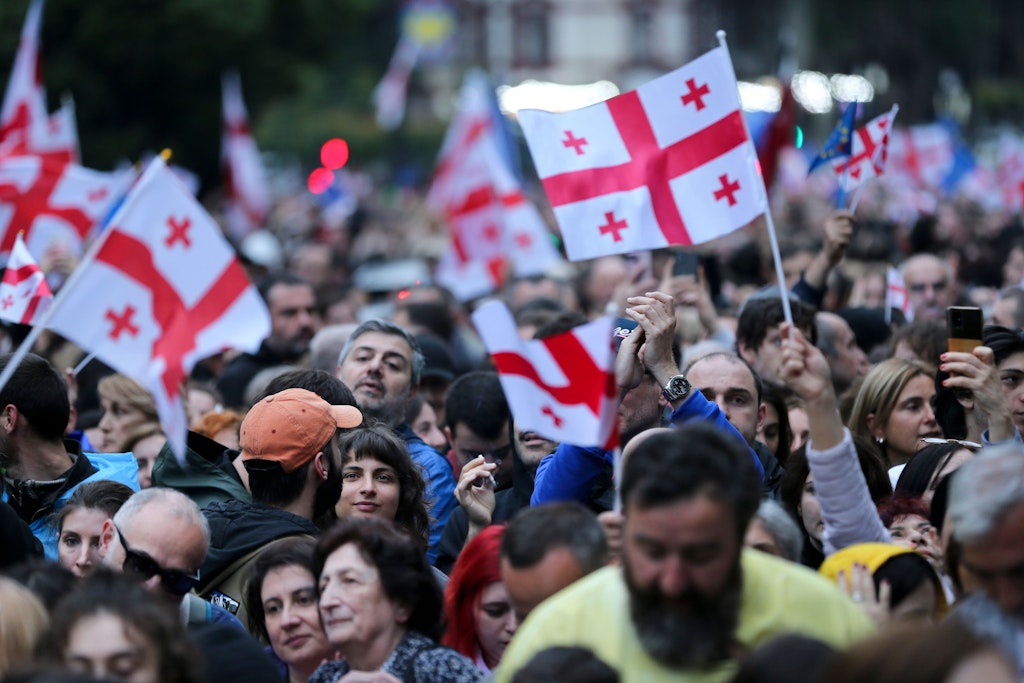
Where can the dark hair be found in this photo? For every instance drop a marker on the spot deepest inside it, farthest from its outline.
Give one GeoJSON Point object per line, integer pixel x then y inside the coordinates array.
{"type": "Point", "coordinates": [270, 485]}
{"type": "Point", "coordinates": [433, 316]}
{"type": "Point", "coordinates": [535, 531]}
{"type": "Point", "coordinates": [380, 443]}
{"type": "Point", "coordinates": [284, 552]}
{"type": "Point", "coordinates": [905, 574]}
{"type": "Point", "coordinates": [282, 277]}
{"type": "Point", "coordinates": [761, 313]}
{"type": "Point", "coordinates": [694, 459]}
{"type": "Point", "coordinates": [923, 466]}
{"type": "Point", "coordinates": [103, 494]}
{"type": "Point", "coordinates": [320, 382]}
{"type": "Point", "coordinates": [926, 338]}
{"type": "Point", "coordinates": [40, 394]}
{"type": "Point", "coordinates": [406, 577]}
{"type": "Point", "coordinates": [759, 384]}
{"type": "Point", "coordinates": [50, 581]}
{"type": "Point", "coordinates": [789, 658]}
{"type": "Point", "coordinates": [566, 665]}
{"type": "Point", "coordinates": [416, 360]}
{"type": "Point", "coordinates": [107, 592]}
{"type": "Point", "coordinates": [477, 401]}
{"type": "Point", "coordinates": [775, 396]}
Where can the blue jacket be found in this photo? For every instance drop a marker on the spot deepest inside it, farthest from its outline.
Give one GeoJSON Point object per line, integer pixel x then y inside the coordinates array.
{"type": "Point", "coordinates": [569, 472]}
{"type": "Point", "coordinates": [437, 472]}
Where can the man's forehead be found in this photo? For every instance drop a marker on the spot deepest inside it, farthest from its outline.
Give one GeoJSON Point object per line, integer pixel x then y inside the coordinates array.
{"type": "Point", "coordinates": [921, 269]}
{"type": "Point", "coordinates": [465, 434]}
{"type": "Point", "coordinates": [285, 294]}
{"type": "Point", "coordinates": [382, 342]}
{"type": "Point", "coordinates": [712, 371]}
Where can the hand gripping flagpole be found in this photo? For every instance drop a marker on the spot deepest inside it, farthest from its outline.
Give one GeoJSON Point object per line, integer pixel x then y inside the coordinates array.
{"type": "Point", "coordinates": [772, 238]}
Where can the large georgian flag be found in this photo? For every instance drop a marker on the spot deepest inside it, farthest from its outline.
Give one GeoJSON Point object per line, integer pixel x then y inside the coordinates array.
{"type": "Point", "coordinates": [163, 290]}
{"type": "Point", "coordinates": [561, 387]}
{"type": "Point", "coordinates": [24, 293]}
{"type": "Point", "coordinates": [668, 163]}
{"type": "Point", "coordinates": [245, 179]}
{"type": "Point", "coordinates": [925, 154]}
{"type": "Point", "coordinates": [869, 152]}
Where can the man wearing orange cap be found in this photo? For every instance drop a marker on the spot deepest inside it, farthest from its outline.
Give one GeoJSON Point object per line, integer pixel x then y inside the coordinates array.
{"type": "Point", "coordinates": [290, 452]}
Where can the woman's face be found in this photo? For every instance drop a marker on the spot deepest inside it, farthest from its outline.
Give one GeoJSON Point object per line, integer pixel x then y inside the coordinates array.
{"type": "Point", "coordinates": [103, 646]}
{"type": "Point", "coordinates": [918, 534]}
{"type": "Point", "coordinates": [957, 459]}
{"type": "Point", "coordinates": [291, 616]}
{"type": "Point", "coordinates": [911, 420]}
{"type": "Point", "coordinates": [800, 427]}
{"type": "Point", "coordinates": [769, 432]}
{"type": "Point", "coordinates": [369, 488]}
{"type": "Point", "coordinates": [355, 611]}
{"type": "Point", "coordinates": [118, 420]}
{"type": "Point", "coordinates": [145, 452]}
{"type": "Point", "coordinates": [79, 540]}
{"type": "Point", "coordinates": [810, 511]}
{"type": "Point", "coordinates": [425, 426]}
{"type": "Point", "coordinates": [496, 623]}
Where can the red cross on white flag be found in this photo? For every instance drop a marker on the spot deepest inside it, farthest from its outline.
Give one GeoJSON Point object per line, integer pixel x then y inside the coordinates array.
{"type": "Point", "coordinates": [870, 151]}
{"type": "Point", "coordinates": [923, 153]}
{"type": "Point", "coordinates": [896, 295]}
{"type": "Point", "coordinates": [561, 387]}
{"type": "Point", "coordinates": [24, 294]}
{"type": "Point", "coordinates": [248, 194]}
{"type": "Point", "coordinates": [163, 291]}
{"type": "Point", "coordinates": [668, 163]}
{"type": "Point", "coordinates": [24, 103]}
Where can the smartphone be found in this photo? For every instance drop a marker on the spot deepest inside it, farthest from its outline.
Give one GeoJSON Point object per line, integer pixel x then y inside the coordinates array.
{"type": "Point", "coordinates": [686, 263]}
{"type": "Point", "coordinates": [965, 328]}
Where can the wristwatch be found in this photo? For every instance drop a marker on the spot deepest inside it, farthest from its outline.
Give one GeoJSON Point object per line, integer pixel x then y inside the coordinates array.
{"type": "Point", "coordinates": [676, 388]}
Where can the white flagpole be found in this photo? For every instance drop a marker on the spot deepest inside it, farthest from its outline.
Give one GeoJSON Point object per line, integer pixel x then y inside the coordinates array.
{"type": "Point", "coordinates": [617, 478]}
{"type": "Point", "coordinates": [874, 157]}
{"type": "Point", "coordinates": [772, 238]}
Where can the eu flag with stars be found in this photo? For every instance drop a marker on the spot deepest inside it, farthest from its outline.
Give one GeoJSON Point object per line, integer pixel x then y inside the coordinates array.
{"type": "Point", "coordinates": [840, 142]}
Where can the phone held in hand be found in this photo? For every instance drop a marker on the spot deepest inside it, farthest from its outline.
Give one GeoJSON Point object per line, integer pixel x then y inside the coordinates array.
{"type": "Point", "coordinates": [965, 325]}
{"type": "Point", "coordinates": [686, 263]}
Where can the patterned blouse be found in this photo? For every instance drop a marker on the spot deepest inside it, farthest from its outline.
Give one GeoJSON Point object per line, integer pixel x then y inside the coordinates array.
{"type": "Point", "coordinates": [417, 659]}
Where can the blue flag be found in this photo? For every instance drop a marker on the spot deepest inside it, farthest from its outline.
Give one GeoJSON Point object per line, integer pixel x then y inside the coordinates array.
{"type": "Point", "coordinates": [840, 143]}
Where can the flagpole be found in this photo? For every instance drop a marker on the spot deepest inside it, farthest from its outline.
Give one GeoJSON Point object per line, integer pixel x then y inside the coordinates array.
{"type": "Point", "coordinates": [772, 238]}
{"type": "Point", "coordinates": [617, 478]}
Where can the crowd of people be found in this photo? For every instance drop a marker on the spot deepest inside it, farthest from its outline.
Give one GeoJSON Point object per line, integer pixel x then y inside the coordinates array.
{"type": "Point", "coordinates": [831, 497]}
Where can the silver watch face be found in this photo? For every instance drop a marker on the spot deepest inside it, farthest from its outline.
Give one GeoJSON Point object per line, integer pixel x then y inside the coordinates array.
{"type": "Point", "coordinates": [678, 387]}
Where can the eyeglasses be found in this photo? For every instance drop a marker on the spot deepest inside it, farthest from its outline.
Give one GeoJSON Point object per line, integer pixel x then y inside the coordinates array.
{"type": "Point", "coordinates": [969, 445]}
{"type": "Point", "coordinates": [143, 567]}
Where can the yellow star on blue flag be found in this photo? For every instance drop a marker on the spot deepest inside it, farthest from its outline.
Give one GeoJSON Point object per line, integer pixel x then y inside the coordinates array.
{"type": "Point", "coordinates": [840, 142]}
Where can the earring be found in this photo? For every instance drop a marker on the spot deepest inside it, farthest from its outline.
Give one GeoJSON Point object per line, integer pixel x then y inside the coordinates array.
{"type": "Point", "coordinates": [880, 440]}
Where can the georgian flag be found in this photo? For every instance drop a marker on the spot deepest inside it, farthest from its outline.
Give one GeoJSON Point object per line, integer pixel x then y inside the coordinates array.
{"type": "Point", "coordinates": [24, 105]}
{"type": "Point", "coordinates": [925, 154]}
{"type": "Point", "coordinates": [668, 163]}
{"type": "Point", "coordinates": [561, 387]}
{"type": "Point", "coordinates": [247, 200]}
{"type": "Point", "coordinates": [869, 151]}
{"type": "Point", "coordinates": [897, 296]}
{"type": "Point", "coordinates": [24, 294]}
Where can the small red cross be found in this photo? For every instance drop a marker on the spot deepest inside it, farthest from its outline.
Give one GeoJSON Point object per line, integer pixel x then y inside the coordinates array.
{"type": "Point", "coordinates": [613, 226]}
{"type": "Point", "coordinates": [491, 232]}
{"type": "Point", "coordinates": [695, 94]}
{"type": "Point", "coordinates": [97, 194]}
{"type": "Point", "coordinates": [547, 410]}
{"type": "Point", "coordinates": [179, 231]}
{"type": "Point", "coordinates": [574, 142]}
{"type": "Point", "coordinates": [727, 190]}
{"type": "Point", "coordinates": [122, 323]}
{"type": "Point", "coordinates": [8, 302]}
{"type": "Point", "coordinates": [523, 240]}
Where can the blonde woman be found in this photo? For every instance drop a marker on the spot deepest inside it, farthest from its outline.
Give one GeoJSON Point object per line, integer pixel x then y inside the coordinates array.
{"type": "Point", "coordinates": [23, 621]}
{"type": "Point", "coordinates": [127, 407]}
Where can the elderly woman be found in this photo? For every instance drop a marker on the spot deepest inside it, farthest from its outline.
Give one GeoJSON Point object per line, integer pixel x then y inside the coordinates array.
{"type": "Point", "coordinates": [381, 607]}
{"type": "Point", "coordinates": [281, 599]}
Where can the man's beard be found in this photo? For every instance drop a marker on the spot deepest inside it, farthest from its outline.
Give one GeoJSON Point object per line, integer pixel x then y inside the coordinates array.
{"type": "Point", "coordinates": [696, 634]}
{"type": "Point", "coordinates": [388, 410]}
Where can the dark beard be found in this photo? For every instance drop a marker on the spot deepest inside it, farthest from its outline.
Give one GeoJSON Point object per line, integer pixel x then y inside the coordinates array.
{"type": "Point", "coordinates": [697, 635]}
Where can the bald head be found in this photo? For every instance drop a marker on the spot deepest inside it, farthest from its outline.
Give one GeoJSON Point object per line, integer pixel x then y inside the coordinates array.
{"type": "Point", "coordinates": [930, 285]}
{"type": "Point", "coordinates": [727, 380]}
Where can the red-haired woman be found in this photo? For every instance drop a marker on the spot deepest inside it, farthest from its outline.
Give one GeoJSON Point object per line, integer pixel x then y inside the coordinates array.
{"type": "Point", "coordinates": [481, 621]}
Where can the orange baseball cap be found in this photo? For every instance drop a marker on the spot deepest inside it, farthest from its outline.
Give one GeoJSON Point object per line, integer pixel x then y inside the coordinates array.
{"type": "Point", "coordinates": [291, 426]}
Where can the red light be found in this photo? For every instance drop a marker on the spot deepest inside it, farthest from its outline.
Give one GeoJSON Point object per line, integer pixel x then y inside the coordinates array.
{"type": "Point", "coordinates": [320, 180]}
{"type": "Point", "coordinates": [334, 153]}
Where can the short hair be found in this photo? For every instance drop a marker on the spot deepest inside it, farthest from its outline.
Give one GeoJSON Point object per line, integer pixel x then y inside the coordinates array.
{"type": "Point", "coordinates": [123, 389]}
{"type": "Point", "coordinates": [533, 532]}
{"type": "Point", "coordinates": [23, 623]}
{"type": "Point", "coordinates": [985, 490]}
{"type": "Point", "coordinates": [381, 443]}
{"type": "Point", "coordinates": [1017, 294]}
{"type": "Point", "coordinates": [270, 485]}
{"type": "Point", "coordinates": [477, 567]}
{"type": "Point", "coordinates": [214, 422]}
{"type": "Point", "coordinates": [761, 313]}
{"type": "Point", "coordinates": [406, 577]}
{"type": "Point", "coordinates": [172, 503]}
{"type": "Point", "coordinates": [694, 459]}
{"type": "Point", "coordinates": [281, 277]}
{"type": "Point", "coordinates": [104, 495]}
{"type": "Point", "coordinates": [900, 505]}
{"type": "Point", "coordinates": [107, 592]}
{"type": "Point", "coordinates": [477, 400]}
{"type": "Point", "coordinates": [738, 360]}
{"type": "Point", "coordinates": [789, 657]}
{"type": "Point", "coordinates": [39, 393]}
{"type": "Point", "coordinates": [926, 338]}
{"type": "Point", "coordinates": [782, 527]}
{"type": "Point", "coordinates": [880, 391]}
{"type": "Point", "coordinates": [1003, 341]}
{"type": "Point", "coordinates": [48, 581]}
{"type": "Point", "coordinates": [386, 327]}
{"type": "Point", "coordinates": [826, 328]}
{"type": "Point", "coordinates": [433, 316]}
{"type": "Point", "coordinates": [293, 551]}
{"type": "Point", "coordinates": [566, 664]}
{"type": "Point", "coordinates": [320, 382]}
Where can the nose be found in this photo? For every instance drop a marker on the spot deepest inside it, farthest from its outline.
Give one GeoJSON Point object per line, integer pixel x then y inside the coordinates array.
{"type": "Point", "coordinates": [83, 561]}
{"type": "Point", "coordinates": [672, 580]}
{"type": "Point", "coordinates": [723, 405]}
{"type": "Point", "coordinates": [929, 415]}
{"type": "Point", "coordinates": [367, 486]}
{"type": "Point", "coordinates": [289, 616]}
{"type": "Point", "coordinates": [511, 622]}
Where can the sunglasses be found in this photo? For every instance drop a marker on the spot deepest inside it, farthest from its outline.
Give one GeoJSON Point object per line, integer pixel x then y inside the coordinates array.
{"type": "Point", "coordinates": [969, 445]}
{"type": "Point", "coordinates": [143, 567]}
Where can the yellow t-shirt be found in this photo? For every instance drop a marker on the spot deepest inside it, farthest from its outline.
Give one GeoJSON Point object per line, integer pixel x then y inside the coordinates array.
{"type": "Point", "coordinates": [778, 597]}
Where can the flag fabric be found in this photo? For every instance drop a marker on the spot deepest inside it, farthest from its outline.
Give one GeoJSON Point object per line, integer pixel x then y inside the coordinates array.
{"type": "Point", "coordinates": [389, 95]}
{"type": "Point", "coordinates": [247, 194]}
{"type": "Point", "coordinates": [24, 105]}
{"type": "Point", "coordinates": [494, 228]}
{"type": "Point", "coordinates": [56, 140]}
{"type": "Point", "coordinates": [924, 154]}
{"type": "Point", "coordinates": [777, 134]}
{"type": "Point", "coordinates": [667, 163]}
{"type": "Point", "coordinates": [897, 296]}
{"type": "Point", "coordinates": [163, 290]}
{"type": "Point", "coordinates": [24, 294]}
{"type": "Point", "coordinates": [840, 142]}
{"type": "Point", "coordinates": [561, 387]}
{"type": "Point", "coordinates": [51, 201]}
{"type": "Point", "coordinates": [868, 152]}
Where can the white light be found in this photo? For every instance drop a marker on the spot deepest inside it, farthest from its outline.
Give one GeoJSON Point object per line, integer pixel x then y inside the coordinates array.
{"type": "Point", "coordinates": [847, 88]}
{"type": "Point", "coordinates": [553, 96]}
{"type": "Point", "coordinates": [759, 97]}
{"type": "Point", "coordinates": [811, 89]}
